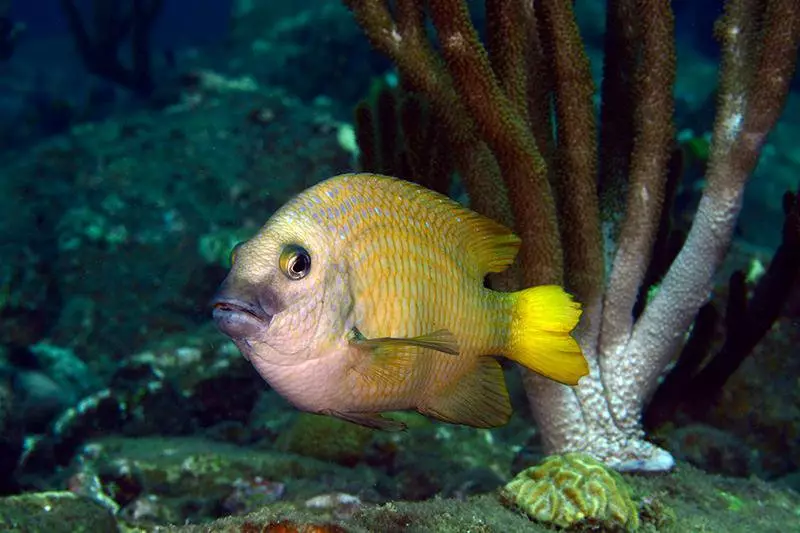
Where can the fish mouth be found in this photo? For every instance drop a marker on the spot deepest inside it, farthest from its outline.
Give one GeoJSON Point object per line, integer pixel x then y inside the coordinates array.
{"type": "Point", "coordinates": [239, 319]}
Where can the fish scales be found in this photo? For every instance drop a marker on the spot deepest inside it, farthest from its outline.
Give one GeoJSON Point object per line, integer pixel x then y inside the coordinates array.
{"type": "Point", "coordinates": [422, 277]}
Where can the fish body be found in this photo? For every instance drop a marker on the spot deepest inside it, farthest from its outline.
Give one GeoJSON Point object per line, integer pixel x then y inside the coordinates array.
{"type": "Point", "coordinates": [364, 294]}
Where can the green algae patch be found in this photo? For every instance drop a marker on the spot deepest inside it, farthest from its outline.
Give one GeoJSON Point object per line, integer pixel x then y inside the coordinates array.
{"type": "Point", "coordinates": [54, 512]}
{"type": "Point", "coordinates": [327, 439]}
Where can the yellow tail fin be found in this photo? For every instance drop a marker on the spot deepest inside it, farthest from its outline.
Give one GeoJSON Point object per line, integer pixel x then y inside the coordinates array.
{"type": "Point", "coordinates": [542, 319]}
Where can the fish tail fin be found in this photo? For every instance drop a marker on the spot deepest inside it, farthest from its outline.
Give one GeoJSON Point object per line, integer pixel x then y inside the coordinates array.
{"type": "Point", "coordinates": [542, 319]}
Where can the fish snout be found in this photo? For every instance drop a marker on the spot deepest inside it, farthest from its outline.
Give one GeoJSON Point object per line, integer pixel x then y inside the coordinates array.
{"type": "Point", "coordinates": [239, 317]}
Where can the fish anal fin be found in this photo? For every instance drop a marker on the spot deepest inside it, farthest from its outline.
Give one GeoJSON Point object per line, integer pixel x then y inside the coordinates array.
{"type": "Point", "coordinates": [370, 420]}
{"type": "Point", "coordinates": [479, 399]}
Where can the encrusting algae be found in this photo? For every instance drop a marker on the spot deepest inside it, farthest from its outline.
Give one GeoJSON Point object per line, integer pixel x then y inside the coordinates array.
{"type": "Point", "coordinates": [365, 294]}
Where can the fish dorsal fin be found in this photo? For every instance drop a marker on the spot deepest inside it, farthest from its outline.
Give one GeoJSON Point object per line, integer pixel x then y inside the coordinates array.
{"type": "Point", "coordinates": [492, 245]}
{"type": "Point", "coordinates": [489, 245]}
{"type": "Point", "coordinates": [479, 399]}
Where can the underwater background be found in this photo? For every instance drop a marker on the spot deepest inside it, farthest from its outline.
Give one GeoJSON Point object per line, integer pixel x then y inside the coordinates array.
{"type": "Point", "coordinates": [139, 146]}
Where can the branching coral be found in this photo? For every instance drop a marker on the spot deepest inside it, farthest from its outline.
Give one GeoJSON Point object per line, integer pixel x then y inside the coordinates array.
{"type": "Point", "coordinates": [520, 122]}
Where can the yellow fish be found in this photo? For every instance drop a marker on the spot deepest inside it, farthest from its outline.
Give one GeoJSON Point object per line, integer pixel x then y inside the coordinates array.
{"type": "Point", "coordinates": [364, 294]}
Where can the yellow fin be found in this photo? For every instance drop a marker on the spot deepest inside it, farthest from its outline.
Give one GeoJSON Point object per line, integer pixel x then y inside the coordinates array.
{"type": "Point", "coordinates": [441, 341]}
{"type": "Point", "coordinates": [479, 399]}
{"type": "Point", "coordinates": [542, 320]}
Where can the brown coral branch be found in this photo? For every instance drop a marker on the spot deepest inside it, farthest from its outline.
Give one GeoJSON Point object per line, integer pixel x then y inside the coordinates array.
{"type": "Point", "coordinates": [428, 151]}
{"type": "Point", "coordinates": [540, 88]}
{"type": "Point", "coordinates": [523, 167]}
{"type": "Point", "coordinates": [621, 44]}
{"type": "Point", "coordinates": [406, 43]}
{"type": "Point", "coordinates": [574, 171]}
{"type": "Point", "coordinates": [653, 134]}
{"type": "Point", "coordinates": [576, 151]}
{"type": "Point", "coordinates": [508, 25]}
{"type": "Point", "coordinates": [760, 42]}
{"type": "Point", "coordinates": [389, 143]}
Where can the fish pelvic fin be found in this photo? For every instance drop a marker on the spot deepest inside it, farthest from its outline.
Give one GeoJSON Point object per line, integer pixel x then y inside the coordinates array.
{"type": "Point", "coordinates": [540, 337]}
{"type": "Point", "coordinates": [479, 399]}
{"type": "Point", "coordinates": [370, 420]}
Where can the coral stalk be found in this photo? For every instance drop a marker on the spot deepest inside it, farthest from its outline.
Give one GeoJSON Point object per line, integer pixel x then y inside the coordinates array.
{"type": "Point", "coordinates": [552, 178]}
{"type": "Point", "coordinates": [758, 63]}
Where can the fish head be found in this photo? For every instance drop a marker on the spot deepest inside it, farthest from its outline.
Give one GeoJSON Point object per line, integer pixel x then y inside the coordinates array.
{"type": "Point", "coordinates": [285, 300]}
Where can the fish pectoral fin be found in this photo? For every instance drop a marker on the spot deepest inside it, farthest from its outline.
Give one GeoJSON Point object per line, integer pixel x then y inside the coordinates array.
{"type": "Point", "coordinates": [387, 366]}
{"type": "Point", "coordinates": [386, 373]}
{"type": "Point", "coordinates": [370, 420]}
{"type": "Point", "coordinates": [441, 340]}
{"type": "Point", "coordinates": [391, 360]}
{"type": "Point", "coordinates": [479, 399]}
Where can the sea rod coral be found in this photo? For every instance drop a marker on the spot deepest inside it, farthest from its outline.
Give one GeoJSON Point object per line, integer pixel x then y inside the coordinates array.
{"type": "Point", "coordinates": [586, 196]}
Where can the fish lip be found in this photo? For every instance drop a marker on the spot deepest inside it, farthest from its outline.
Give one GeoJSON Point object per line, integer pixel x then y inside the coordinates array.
{"type": "Point", "coordinates": [239, 319]}
{"type": "Point", "coordinates": [235, 305]}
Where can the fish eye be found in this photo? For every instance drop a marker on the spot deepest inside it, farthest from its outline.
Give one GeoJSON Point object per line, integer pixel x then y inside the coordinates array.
{"type": "Point", "coordinates": [295, 262]}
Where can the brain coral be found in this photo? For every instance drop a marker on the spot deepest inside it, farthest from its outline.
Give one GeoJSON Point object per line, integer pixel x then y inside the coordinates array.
{"type": "Point", "coordinates": [565, 490]}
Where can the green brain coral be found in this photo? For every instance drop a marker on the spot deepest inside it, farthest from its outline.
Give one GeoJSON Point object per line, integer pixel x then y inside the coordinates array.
{"type": "Point", "coordinates": [567, 489]}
